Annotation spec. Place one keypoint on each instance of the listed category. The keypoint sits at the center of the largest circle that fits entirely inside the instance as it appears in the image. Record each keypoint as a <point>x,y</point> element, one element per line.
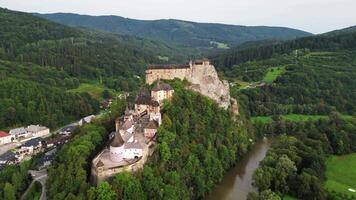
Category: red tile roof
<point>3,134</point>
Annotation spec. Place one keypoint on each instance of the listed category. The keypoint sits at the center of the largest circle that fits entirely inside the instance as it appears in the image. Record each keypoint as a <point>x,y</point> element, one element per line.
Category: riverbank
<point>237,182</point>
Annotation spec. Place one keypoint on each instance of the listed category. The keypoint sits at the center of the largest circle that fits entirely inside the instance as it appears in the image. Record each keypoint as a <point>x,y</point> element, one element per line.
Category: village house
<point>20,133</point>
<point>162,91</point>
<point>151,129</point>
<point>37,130</point>
<point>46,159</point>
<point>86,120</point>
<point>7,158</point>
<point>5,138</point>
<point>57,141</point>
<point>29,148</point>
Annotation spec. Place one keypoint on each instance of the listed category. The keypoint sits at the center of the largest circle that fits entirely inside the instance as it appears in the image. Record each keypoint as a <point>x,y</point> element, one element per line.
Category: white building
<point>162,91</point>
<point>19,133</point>
<point>133,150</point>
<point>117,148</point>
<point>5,138</point>
<point>29,148</point>
<point>37,130</point>
<point>86,120</point>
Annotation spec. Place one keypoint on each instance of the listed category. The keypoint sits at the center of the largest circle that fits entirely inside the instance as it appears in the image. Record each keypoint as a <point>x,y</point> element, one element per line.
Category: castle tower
<point>117,148</point>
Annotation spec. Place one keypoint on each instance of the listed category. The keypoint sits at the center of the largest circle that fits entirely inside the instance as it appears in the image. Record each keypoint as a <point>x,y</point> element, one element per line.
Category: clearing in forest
<point>341,174</point>
<point>273,73</point>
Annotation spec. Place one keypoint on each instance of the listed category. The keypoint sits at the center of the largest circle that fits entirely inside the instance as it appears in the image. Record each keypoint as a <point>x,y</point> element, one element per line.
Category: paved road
<point>40,176</point>
<point>7,147</point>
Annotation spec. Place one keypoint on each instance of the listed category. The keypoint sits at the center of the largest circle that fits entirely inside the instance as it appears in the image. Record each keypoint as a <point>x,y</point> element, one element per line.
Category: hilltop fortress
<point>200,73</point>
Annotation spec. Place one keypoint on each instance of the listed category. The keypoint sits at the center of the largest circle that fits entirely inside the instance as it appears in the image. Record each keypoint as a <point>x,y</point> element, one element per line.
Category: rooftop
<point>35,128</point>
<point>145,100</point>
<point>127,125</point>
<point>17,131</point>
<point>152,125</point>
<point>4,134</point>
<point>118,141</point>
<point>32,142</point>
<point>168,66</point>
<point>162,86</point>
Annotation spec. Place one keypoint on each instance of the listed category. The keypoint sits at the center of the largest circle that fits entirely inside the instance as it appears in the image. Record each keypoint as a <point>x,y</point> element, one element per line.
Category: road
<point>7,147</point>
<point>40,176</point>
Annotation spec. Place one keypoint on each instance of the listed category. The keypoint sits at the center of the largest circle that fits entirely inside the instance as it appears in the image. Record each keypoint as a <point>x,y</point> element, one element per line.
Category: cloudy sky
<point>316,16</point>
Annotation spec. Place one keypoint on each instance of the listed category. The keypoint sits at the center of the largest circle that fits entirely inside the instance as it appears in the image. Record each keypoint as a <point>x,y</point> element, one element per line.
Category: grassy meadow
<point>93,89</point>
<point>297,117</point>
<point>273,73</point>
<point>341,174</point>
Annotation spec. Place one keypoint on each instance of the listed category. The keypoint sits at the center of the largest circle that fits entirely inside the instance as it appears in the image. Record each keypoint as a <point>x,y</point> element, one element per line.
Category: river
<point>237,182</point>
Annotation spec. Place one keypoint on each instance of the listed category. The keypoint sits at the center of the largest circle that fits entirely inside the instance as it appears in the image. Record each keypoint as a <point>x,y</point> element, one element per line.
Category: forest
<point>324,42</point>
<point>296,163</point>
<point>40,61</point>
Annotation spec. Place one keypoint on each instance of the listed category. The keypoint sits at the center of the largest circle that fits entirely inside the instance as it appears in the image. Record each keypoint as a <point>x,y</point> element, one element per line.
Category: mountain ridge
<point>186,33</point>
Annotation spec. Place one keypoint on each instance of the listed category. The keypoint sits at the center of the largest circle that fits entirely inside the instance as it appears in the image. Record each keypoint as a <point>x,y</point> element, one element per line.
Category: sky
<point>315,16</point>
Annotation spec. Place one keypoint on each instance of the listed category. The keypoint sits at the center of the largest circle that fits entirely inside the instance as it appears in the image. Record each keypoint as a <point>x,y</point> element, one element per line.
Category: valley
<point>256,112</point>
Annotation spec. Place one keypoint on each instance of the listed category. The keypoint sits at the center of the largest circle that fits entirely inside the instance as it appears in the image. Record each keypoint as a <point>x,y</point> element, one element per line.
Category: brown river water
<point>237,182</point>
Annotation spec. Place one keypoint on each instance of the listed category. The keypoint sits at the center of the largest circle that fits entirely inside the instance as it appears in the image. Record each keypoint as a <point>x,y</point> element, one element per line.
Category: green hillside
<point>40,60</point>
<point>301,93</point>
<point>191,34</point>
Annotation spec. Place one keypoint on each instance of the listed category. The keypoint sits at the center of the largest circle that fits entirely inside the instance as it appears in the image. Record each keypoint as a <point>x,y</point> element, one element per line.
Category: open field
<point>220,45</point>
<point>289,198</point>
<point>341,174</point>
<point>273,73</point>
<point>296,117</point>
<point>93,89</point>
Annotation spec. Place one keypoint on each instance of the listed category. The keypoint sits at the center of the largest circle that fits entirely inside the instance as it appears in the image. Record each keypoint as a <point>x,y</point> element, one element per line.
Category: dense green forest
<point>314,83</point>
<point>296,162</point>
<point>40,61</point>
<point>332,42</point>
<point>202,36</point>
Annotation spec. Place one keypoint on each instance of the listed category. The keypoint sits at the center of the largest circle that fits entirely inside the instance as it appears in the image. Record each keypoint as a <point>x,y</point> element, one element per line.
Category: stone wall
<point>168,74</point>
<point>99,175</point>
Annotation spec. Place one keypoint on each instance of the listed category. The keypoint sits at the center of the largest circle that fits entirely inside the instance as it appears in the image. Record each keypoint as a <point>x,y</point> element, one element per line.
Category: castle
<point>200,73</point>
<point>134,136</point>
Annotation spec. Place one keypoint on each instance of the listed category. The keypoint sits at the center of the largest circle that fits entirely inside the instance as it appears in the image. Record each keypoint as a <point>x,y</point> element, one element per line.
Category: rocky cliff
<point>204,79</point>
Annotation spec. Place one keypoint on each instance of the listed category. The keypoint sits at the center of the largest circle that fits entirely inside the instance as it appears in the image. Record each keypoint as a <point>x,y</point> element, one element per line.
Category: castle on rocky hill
<point>200,73</point>
<point>133,140</point>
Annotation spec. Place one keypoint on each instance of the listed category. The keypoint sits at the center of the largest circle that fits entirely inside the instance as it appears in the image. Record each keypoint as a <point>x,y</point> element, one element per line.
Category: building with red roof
<point>5,138</point>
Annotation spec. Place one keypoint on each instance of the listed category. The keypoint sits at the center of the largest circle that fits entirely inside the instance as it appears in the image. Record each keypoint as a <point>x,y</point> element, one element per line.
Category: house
<point>57,141</point>
<point>162,91</point>
<point>121,149</point>
<point>86,120</point>
<point>37,130</point>
<point>142,101</point>
<point>29,148</point>
<point>124,126</point>
<point>45,160</point>
<point>151,129</point>
<point>8,158</point>
<point>5,138</point>
<point>19,133</point>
